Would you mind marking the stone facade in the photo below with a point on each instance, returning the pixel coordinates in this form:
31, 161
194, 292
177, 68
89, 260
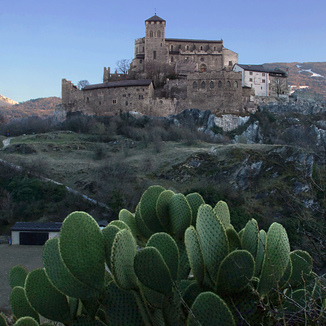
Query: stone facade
183, 55
108, 98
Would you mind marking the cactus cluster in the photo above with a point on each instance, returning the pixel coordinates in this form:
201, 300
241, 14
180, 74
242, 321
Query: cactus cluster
175, 261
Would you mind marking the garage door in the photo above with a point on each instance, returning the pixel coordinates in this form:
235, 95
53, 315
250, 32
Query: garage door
30, 238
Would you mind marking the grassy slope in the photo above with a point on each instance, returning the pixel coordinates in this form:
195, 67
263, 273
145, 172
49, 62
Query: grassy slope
118, 172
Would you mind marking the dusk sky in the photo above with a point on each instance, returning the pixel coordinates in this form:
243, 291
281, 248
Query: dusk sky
45, 41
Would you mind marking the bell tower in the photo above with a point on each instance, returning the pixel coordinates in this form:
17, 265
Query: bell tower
156, 52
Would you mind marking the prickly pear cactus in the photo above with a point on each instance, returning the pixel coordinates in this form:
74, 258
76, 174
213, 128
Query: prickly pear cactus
174, 261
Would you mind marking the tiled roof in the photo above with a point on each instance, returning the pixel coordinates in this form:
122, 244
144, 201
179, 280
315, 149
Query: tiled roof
261, 68
120, 83
155, 18
191, 40
35, 226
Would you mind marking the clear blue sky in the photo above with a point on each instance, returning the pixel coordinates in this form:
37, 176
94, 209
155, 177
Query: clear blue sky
43, 41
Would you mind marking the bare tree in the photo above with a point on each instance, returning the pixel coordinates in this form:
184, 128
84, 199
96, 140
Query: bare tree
82, 83
123, 66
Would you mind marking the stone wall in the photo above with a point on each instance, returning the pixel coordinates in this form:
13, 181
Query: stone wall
219, 92
278, 85
106, 101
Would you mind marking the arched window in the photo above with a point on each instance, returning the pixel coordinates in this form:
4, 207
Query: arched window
228, 84
211, 84
151, 34
154, 55
203, 68
171, 47
203, 84
194, 85
158, 33
220, 85
201, 48
235, 84
172, 59
187, 48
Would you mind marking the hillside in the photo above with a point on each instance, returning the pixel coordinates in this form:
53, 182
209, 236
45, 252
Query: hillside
37, 107
5, 101
306, 74
280, 177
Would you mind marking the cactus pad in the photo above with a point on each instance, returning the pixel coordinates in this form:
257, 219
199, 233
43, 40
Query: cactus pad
209, 309
195, 254
152, 271
167, 247
17, 276
235, 272
147, 208
122, 260
163, 209
121, 307
221, 209
109, 233
301, 267
213, 239
181, 215
20, 305
45, 298
60, 276
276, 259
129, 218
195, 200
82, 249
26, 321
233, 238
260, 252
250, 237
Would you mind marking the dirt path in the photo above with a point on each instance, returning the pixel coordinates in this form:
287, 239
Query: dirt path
28, 256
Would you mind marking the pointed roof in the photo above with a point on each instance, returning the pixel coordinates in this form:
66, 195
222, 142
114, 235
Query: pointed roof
155, 18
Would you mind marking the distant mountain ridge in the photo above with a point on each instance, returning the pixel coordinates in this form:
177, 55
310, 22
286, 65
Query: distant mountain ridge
310, 75
5, 101
37, 107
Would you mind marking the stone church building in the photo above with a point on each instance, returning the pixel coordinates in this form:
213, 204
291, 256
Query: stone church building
207, 76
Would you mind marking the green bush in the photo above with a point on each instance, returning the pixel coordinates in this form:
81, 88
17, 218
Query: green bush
174, 261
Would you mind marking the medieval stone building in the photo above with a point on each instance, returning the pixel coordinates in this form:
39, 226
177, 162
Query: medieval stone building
207, 76
184, 55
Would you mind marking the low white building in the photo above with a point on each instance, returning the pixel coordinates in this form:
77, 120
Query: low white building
254, 76
33, 233
265, 82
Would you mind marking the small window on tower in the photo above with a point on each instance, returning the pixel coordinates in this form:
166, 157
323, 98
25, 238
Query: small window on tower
171, 47
151, 34
194, 85
154, 55
172, 59
158, 33
230, 63
114, 101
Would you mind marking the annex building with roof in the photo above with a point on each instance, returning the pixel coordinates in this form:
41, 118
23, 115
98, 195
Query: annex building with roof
169, 75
